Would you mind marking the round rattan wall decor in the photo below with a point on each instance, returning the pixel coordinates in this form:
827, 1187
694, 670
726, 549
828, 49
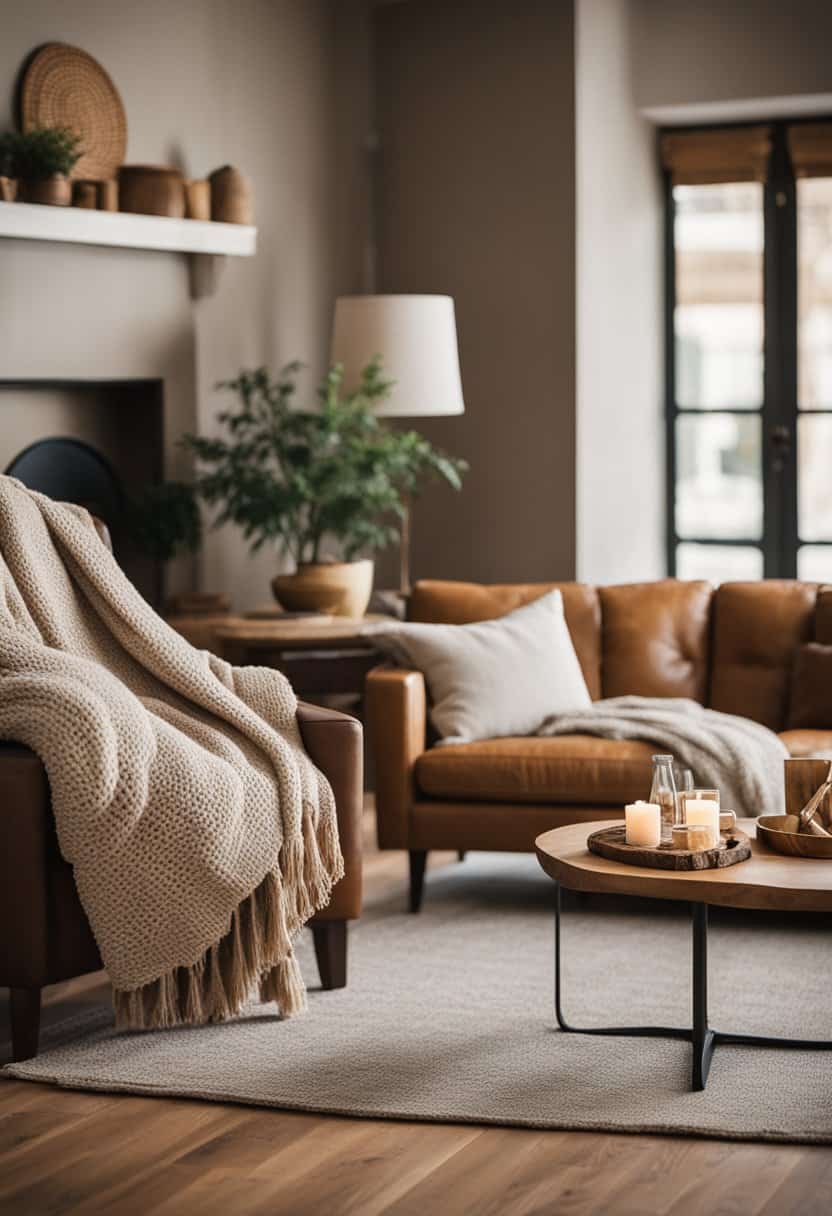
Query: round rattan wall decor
63, 86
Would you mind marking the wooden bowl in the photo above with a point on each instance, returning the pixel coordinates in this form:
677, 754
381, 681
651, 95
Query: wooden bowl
773, 831
151, 190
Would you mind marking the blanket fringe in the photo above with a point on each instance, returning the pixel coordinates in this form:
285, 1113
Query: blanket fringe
257, 949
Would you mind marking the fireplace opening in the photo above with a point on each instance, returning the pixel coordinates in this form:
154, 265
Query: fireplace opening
94, 443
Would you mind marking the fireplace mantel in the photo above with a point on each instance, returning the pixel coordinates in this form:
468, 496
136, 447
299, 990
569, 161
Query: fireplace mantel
76, 225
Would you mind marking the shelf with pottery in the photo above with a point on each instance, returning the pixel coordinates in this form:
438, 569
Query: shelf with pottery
77, 225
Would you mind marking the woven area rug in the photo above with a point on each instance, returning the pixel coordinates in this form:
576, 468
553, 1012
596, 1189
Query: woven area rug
448, 1016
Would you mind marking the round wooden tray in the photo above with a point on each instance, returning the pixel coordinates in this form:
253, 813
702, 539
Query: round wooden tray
609, 842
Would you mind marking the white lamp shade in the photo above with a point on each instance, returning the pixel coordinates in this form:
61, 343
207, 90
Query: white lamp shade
416, 339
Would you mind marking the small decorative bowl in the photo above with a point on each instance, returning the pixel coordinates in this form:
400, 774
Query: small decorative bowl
777, 832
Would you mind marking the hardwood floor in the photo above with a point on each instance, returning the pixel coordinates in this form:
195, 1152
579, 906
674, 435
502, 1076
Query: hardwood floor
64, 1153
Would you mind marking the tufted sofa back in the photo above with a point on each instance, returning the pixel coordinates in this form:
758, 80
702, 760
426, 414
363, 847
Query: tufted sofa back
731, 648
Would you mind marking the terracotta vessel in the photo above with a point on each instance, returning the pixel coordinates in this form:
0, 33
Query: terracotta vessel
108, 195
198, 200
8, 189
151, 190
342, 588
55, 191
85, 194
231, 197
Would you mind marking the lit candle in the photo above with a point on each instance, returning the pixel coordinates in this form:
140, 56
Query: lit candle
703, 812
643, 824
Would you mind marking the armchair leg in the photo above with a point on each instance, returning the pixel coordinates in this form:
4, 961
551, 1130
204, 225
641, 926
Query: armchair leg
25, 1019
418, 861
330, 938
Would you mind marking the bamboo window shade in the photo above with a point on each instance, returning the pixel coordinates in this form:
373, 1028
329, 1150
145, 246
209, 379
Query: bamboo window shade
729, 154
810, 147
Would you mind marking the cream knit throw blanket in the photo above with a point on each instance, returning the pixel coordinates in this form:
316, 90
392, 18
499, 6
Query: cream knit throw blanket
200, 834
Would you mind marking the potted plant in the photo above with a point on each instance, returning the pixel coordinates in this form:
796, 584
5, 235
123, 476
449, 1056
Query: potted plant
41, 161
324, 485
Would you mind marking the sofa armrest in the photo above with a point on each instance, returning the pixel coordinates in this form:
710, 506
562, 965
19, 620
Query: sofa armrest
396, 708
335, 743
25, 827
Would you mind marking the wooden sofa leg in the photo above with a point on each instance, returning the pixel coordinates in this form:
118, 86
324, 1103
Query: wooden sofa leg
461, 854
330, 938
418, 861
25, 1019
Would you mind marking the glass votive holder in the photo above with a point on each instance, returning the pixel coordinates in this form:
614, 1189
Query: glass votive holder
700, 809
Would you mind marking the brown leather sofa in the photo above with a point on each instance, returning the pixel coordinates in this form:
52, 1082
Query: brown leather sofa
732, 648
44, 934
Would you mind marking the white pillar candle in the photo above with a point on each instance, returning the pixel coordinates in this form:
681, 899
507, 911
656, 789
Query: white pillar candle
643, 824
702, 812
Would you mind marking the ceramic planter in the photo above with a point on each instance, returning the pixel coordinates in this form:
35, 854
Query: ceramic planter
55, 191
342, 588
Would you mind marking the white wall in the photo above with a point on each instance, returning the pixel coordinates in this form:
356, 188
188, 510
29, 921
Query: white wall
620, 427
204, 82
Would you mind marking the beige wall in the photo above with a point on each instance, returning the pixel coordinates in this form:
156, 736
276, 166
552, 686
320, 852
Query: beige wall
708, 52
619, 225
476, 200
204, 82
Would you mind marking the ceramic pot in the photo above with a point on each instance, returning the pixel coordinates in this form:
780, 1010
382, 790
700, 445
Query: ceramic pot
198, 199
85, 194
342, 588
231, 200
151, 190
55, 191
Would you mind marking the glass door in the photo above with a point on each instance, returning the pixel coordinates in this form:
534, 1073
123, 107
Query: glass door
749, 351
814, 379
718, 383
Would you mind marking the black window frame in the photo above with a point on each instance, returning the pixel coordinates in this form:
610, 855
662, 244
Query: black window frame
779, 413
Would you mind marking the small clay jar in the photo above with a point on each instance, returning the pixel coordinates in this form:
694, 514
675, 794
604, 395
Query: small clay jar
55, 191
231, 196
85, 195
198, 199
151, 190
108, 195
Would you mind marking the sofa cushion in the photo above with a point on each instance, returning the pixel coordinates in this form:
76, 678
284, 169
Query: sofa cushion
443, 602
807, 742
810, 699
500, 677
757, 628
570, 768
656, 639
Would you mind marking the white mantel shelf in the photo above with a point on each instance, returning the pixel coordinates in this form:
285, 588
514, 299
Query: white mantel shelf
75, 225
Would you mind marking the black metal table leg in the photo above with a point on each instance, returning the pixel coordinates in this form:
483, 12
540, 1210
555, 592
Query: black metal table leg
702, 1038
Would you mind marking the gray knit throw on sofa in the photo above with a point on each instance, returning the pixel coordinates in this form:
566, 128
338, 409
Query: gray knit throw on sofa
741, 758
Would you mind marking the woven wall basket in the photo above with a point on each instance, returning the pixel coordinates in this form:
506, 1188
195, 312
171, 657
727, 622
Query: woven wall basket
63, 86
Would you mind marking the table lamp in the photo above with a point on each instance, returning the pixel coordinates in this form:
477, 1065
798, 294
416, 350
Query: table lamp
416, 339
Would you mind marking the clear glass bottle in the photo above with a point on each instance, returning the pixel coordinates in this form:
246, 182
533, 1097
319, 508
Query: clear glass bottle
663, 792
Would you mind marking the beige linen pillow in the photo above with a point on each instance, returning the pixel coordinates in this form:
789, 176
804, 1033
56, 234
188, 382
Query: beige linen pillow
500, 677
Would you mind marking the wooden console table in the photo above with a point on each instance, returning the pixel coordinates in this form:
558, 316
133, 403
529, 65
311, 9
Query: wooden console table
325, 658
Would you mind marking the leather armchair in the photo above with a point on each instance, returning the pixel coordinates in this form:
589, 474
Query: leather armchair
44, 934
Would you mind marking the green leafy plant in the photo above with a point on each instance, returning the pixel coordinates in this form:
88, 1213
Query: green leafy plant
39, 153
164, 520
308, 480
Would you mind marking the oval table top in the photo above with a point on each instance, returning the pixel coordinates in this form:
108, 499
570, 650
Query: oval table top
767, 881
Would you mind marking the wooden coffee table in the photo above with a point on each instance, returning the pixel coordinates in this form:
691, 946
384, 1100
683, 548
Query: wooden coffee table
767, 882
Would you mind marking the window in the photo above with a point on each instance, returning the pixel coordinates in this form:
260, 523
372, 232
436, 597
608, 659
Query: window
749, 358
